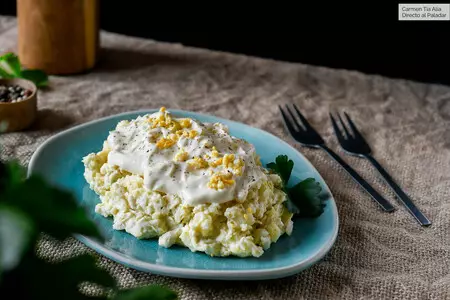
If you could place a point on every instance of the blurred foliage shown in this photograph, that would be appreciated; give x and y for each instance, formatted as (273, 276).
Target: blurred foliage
(10, 67)
(30, 206)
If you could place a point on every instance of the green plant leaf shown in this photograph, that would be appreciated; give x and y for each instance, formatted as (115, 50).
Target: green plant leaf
(63, 280)
(4, 74)
(283, 166)
(83, 268)
(10, 63)
(303, 199)
(3, 178)
(10, 67)
(54, 210)
(153, 292)
(25, 202)
(16, 173)
(16, 235)
(11, 174)
(306, 197)
(39, 77)
(291, 207)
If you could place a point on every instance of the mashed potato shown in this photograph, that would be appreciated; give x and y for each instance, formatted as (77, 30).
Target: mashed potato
(188, 183)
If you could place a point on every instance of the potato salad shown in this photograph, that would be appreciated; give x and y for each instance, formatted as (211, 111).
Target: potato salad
(188, 183)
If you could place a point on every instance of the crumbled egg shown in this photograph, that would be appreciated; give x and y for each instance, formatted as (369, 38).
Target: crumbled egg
(214, 152)
(188, 183)
(181, 156)
(216, 162)
(197, 163)
(220, 181)
(164, 143)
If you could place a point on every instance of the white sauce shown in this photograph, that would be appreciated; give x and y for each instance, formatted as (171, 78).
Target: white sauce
(132, 150)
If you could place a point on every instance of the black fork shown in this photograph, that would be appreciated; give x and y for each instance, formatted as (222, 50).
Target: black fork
(352, 141)
(306, 135)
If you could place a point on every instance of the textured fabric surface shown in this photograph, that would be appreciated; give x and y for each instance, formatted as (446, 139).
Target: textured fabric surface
(377, 255)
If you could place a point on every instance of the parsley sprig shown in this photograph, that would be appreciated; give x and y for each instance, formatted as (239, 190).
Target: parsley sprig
(304, 199)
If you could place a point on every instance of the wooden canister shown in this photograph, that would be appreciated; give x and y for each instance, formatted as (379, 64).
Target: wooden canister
(58, 36)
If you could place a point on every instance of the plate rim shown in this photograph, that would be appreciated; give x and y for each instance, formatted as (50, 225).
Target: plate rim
(268, 273)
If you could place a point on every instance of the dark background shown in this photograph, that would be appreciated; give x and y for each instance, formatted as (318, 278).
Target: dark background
(365, 37)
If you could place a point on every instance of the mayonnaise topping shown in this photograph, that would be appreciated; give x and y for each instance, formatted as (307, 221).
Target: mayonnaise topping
(199, 162)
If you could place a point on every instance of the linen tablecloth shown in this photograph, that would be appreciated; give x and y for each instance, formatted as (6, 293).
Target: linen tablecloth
(377, 255)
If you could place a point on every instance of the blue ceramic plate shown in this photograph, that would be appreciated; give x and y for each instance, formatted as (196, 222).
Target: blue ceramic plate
(59, 161)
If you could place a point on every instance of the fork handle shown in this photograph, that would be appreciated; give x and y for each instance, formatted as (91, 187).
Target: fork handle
(385, 205)
(407, 202)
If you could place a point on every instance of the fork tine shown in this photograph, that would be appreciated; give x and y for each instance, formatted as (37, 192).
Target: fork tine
(336, 129)
(347, 133)
(355, 130)
(299, 126)
(286, 121)
(304, 121)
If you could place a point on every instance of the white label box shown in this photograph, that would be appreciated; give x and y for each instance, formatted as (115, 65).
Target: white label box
(424, 12)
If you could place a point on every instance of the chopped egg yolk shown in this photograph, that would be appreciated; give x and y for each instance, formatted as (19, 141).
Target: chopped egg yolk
(165, 143)
(197, 163)
(161, 121)
(238, 167)
(220, 181)
(216, 163)
(229, 162)
(193, 134)
(185, 123)
(214, 152)
(187, 134)
(181, 156)
(164, 120)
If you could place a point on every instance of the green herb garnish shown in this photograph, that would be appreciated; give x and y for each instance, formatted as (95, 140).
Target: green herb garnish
(10, 67)
(303, 198)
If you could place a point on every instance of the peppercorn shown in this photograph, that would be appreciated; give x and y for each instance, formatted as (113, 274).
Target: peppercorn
(13, 93)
